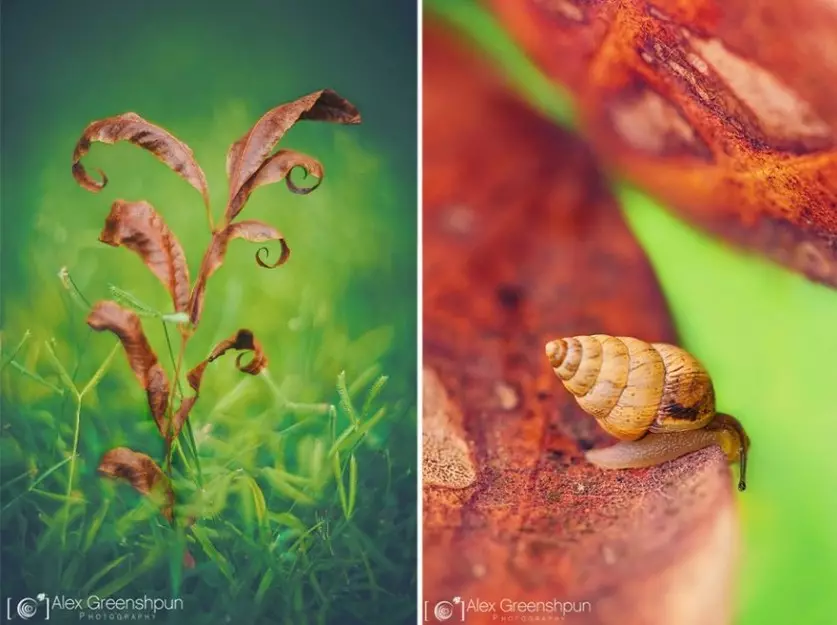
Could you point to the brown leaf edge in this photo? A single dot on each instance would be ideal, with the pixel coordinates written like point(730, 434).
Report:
point(248, 154)
point(249, 230)
point(141, 472)
point(126, 325)
point(134, 129)
point(140, 228)
point(507, 488)
point(278, 167)
point(243, 340)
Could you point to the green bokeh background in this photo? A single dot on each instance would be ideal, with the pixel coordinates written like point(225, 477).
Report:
point(346, 300)
point(769, 337)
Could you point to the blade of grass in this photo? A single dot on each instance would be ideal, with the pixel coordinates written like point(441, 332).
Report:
point(352, 485)
point(338, 478)
point(107, 569)
point(373, 393)
point(40, 479)
point(345, 398)
point(8, 359)
point(34, 376)
point(100, 372)
point(62, 372)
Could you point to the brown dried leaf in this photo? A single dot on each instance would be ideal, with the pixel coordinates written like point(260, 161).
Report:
point(247, 154)
point(278, 167)
point(133, 128)
point(107, 315)
point(249, 230)
point(137, 226)
point(141, 472)
point(531, 248)
point(724, 109)
point(243, 341)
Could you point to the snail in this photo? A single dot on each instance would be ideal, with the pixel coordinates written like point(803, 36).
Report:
point(655, 397)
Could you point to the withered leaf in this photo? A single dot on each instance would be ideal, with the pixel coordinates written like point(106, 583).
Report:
point(137, 226)
point(250, 230)
point(141, 472)
point(243, 341)
point(278, 167)
point(725, 109)
point(133, 128)
point(522, 244)
point(108, 315)
point(246, 155)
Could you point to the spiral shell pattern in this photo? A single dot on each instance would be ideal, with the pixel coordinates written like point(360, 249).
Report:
point(632, 387)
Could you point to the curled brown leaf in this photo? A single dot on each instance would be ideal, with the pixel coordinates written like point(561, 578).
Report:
point(278, 167)
point(243, 341)
point(726, 110)
point(246, 155)
point(108, 315)
point(134, 129)
point(141, 472)
point(137, 226)
point(250, 230)
point(506, 486)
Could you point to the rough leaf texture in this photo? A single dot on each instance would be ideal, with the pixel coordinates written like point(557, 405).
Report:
point(522, 244)
point(724, 109)
point(275, 169)
point(249, 230)
point(247, 154)
point(107, 315)
point(133, 128)
point(137, 226)
point(139, 471)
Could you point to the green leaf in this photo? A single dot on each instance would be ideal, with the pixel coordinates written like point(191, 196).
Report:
point(345, 398)
point(338, 478)
point(176, 318)
point(104, 571)
point(96, 525)
point(376, 389)
point(212, 553)
point(340, 444)
point(129, 300)
point(352, 484)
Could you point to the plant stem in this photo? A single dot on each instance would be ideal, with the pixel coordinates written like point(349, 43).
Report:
point(79, 397)
point(193, 446)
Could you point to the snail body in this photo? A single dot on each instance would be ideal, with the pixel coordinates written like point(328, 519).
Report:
point(656, 398)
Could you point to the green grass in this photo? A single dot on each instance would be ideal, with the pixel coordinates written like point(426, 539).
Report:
point(303, 512)
point(768, 336)
point(304, 489)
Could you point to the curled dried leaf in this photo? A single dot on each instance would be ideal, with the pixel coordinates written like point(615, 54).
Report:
point(107, 315)
point(141, 472)
point(250, 230)
point(246, 155)
point(137, 226)
point(278, 167)
point(725, 110)
point(243, 341)
point(506, 487)
point(134, 129)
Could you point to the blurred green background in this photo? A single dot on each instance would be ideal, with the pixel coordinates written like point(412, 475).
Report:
point(288, 531)
point(769, 338)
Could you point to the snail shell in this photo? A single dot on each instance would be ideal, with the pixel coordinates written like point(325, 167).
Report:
point(632, 387)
